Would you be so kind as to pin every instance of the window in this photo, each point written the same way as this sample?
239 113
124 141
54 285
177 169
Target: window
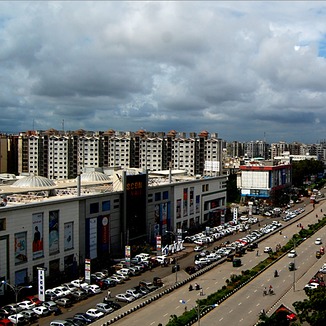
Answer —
94 208
105 206
2 224
165 195
157 196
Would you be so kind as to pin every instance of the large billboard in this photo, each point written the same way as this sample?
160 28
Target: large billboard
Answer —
135 218
37 247
68 236
20 248
53 232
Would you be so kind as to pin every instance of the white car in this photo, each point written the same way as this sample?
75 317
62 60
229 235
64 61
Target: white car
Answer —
26 305
17 318
94 289
93 312
292 254
318 241
198 248
124 297
41 311
104 307
311 286
79 284
63 289
268 249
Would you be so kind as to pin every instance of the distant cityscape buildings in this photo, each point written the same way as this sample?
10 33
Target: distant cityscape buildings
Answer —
64 155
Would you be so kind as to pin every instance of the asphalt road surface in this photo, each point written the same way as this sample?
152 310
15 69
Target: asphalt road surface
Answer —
245 305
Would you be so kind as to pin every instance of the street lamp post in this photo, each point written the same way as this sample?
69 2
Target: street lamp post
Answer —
175 259
16 289
199 309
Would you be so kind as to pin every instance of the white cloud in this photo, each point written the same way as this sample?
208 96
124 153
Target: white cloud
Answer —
241 69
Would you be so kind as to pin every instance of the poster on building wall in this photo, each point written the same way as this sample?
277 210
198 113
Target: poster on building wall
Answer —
197 204
68 235
185 202
191 201
20 248
53 232
3 259
159 245
93 238
164 216
127 255
103 225
136 206
37 247
178 208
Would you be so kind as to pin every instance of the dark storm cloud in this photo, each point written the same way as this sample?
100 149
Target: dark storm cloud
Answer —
241 69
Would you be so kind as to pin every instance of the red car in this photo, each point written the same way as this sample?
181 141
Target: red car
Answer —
34 299
291 317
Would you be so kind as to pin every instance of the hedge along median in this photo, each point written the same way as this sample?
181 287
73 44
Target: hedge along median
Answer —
237 281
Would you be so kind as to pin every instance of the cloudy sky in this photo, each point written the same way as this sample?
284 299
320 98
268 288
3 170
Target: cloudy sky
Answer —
246 70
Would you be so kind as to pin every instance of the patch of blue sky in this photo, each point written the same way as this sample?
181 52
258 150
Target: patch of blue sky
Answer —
322 47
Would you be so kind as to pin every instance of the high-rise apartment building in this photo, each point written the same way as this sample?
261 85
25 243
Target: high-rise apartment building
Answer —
64 155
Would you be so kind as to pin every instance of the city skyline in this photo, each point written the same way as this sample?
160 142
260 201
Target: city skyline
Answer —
248 70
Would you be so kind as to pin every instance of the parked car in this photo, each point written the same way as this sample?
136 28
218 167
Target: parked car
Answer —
94 289
93 312
111 303
26 304
124 297
5 322
134 293
34 299
268 249
41 311
79 295
64 302
17 319
59 322
75 322
29 315
84 318
50 305
104 307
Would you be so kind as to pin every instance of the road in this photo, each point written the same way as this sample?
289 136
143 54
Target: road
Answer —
248 302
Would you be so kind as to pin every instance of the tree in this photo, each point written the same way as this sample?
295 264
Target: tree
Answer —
305 168
312 310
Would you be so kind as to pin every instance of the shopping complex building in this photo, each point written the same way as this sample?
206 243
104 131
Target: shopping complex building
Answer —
57 224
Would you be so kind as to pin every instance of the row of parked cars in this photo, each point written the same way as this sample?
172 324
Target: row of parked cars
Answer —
213 234
290 214
237 248
27 311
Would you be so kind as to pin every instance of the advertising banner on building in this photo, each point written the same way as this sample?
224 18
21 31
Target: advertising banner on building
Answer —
127 255
37 221
103 232
185 202
88 271
92 238
159 245
41 283
191 201
20 248
136 203
53 232
68 235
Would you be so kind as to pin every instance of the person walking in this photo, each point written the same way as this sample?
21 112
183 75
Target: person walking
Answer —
109 294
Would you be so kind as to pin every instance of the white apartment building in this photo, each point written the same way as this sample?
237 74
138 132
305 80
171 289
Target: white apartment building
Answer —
58 160
151 150
119 151
183 154
33 155
88 153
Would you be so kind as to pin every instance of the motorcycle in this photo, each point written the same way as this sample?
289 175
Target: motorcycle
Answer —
190 287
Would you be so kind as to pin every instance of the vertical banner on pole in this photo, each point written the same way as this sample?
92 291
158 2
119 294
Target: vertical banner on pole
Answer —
235 215
88 271
159 245
41 283
127 255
